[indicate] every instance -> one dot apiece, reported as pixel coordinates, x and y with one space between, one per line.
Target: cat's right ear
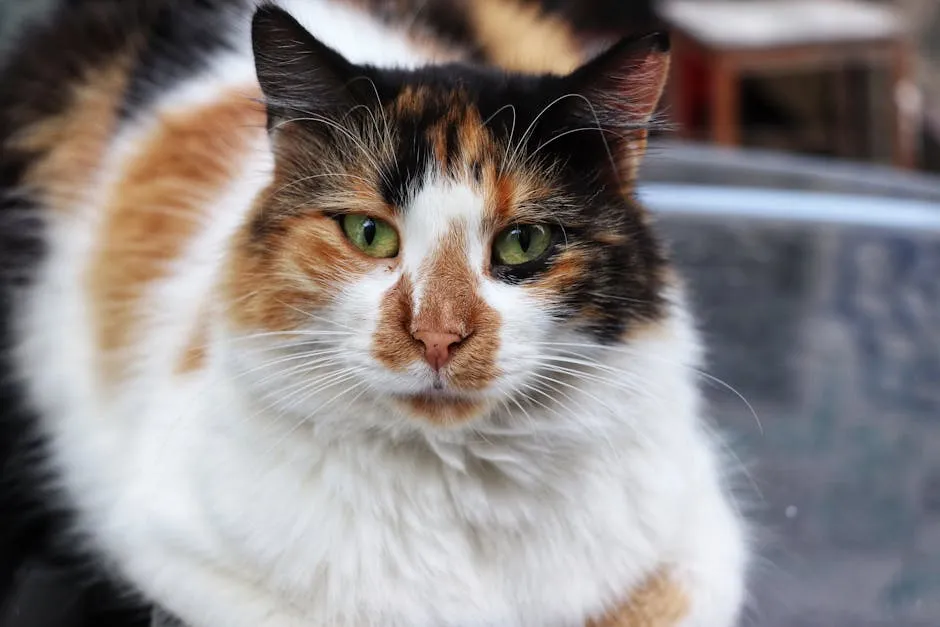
298 74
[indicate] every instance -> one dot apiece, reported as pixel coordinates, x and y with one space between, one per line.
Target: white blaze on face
442 209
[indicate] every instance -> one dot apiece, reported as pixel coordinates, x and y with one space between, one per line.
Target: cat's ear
298 74
622 88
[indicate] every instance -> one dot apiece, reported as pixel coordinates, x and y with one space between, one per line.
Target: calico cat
322 321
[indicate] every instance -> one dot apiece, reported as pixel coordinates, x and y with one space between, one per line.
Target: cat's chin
441 408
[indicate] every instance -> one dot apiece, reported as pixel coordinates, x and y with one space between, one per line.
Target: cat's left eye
374 237
521 243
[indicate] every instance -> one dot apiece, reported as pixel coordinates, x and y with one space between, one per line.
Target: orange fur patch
516 197
518 37
502 201
392 343
411 100
459 134
73 143
291 255
195 355
156 209
441 411
273 282
474 138
458 139
660 602
437 137
566 271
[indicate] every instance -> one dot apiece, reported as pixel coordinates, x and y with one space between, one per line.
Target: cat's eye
521 243
372 236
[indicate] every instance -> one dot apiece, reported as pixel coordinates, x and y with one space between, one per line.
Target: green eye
521 243
372 236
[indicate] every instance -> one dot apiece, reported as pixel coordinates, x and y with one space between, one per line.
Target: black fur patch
35 86
604 18
36 79
181 37
400 176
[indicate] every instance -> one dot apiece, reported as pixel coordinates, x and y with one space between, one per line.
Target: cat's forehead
452 154
432 131
438 89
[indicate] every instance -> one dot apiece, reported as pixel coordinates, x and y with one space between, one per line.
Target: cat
320 319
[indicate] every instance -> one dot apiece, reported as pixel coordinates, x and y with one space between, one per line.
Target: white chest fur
363 532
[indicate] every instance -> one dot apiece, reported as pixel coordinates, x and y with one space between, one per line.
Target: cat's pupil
368 230
525 238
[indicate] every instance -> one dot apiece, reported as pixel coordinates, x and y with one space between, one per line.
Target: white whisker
646 355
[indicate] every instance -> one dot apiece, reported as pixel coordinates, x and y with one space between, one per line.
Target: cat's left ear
298 74
622 88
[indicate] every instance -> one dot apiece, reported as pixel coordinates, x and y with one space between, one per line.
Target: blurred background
795 188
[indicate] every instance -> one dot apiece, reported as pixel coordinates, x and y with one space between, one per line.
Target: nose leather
437 346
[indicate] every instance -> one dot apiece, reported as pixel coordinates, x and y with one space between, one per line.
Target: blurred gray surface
670 161
832 333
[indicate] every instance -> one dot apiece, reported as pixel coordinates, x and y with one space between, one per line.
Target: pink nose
437 346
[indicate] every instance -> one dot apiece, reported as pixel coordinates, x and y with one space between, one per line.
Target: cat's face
429 234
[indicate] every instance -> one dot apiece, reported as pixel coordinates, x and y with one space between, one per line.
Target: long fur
231 404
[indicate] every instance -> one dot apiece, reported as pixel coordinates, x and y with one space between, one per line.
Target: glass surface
826 319
832 334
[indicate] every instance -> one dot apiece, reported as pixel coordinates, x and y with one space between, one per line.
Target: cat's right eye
521 244
375 237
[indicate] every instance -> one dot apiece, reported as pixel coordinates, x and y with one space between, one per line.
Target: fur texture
235 401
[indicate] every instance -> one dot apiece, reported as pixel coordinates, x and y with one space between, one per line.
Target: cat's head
430 233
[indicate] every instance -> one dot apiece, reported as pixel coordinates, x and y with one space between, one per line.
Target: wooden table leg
904 108
841 130
677 93
725 102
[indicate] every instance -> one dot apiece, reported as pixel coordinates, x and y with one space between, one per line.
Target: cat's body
244 434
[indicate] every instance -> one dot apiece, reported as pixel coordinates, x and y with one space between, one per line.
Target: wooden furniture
732 38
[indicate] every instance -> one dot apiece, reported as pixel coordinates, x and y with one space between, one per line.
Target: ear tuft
624 86
625 83
296 71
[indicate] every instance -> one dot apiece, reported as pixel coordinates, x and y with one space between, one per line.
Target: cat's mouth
440 406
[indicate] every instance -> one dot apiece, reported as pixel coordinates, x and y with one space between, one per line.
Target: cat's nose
437 346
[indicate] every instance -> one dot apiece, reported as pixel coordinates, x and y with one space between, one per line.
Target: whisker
284 355
335 125
598 432
306 419
311 177
297 333
316 317
626 299
630 351
285 404
306 367
378 102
